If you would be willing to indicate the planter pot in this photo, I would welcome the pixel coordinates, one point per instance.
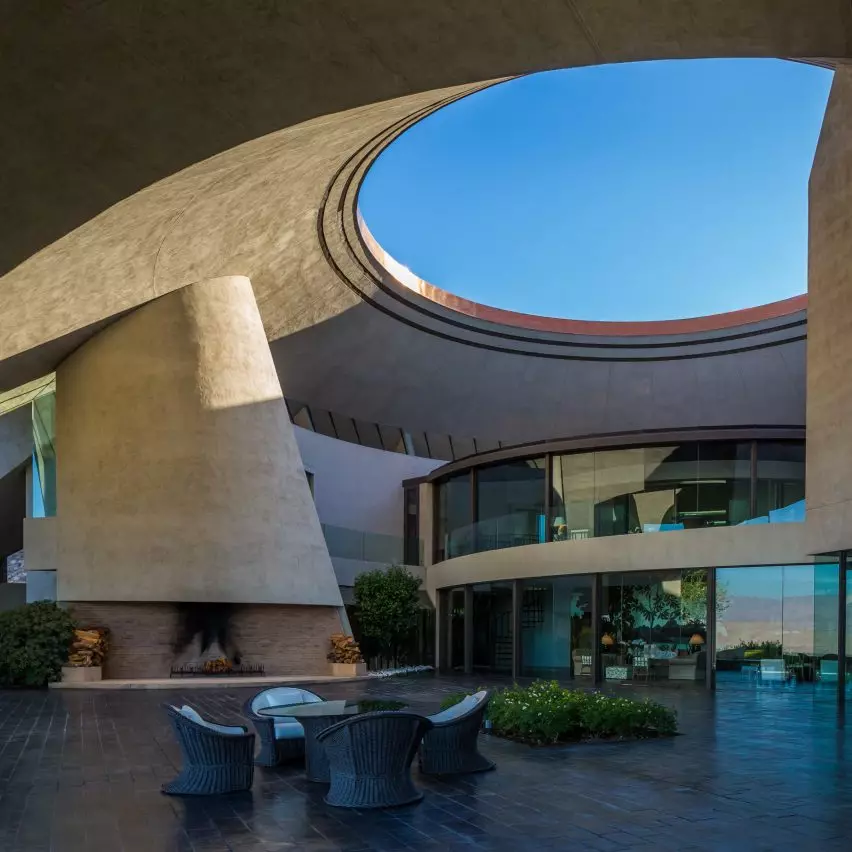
(81, 674)
(348, 669)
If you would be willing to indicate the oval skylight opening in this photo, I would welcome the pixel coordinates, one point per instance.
(633, 192)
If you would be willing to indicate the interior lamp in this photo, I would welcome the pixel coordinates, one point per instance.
(607, 641)
(696, 639)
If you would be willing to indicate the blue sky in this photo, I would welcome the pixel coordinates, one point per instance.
(651, 190)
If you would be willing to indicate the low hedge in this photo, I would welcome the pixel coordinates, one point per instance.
(34, 644)
(547, 713)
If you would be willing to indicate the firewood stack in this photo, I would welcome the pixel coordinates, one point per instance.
(344, 649)
(89, 647)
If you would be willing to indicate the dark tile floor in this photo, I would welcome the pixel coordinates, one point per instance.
(755, 769)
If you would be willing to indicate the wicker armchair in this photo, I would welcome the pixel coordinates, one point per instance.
(450, 747)
(216, 758)
(281, 738)
(370, 758)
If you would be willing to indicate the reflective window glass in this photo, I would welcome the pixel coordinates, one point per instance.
(646, 490)
(411, 527)
(780, 486)
(454, 523)
(492, 627)
(556, 627)
(44, 454)
(510, 504)
(572, 502)
(777, 625)
(722, 493)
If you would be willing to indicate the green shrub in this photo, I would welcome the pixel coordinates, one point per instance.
(545, 712)
(34, 644)
(387, 605)
(609, 716)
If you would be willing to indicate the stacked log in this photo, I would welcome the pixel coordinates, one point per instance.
(221, 665)
(344, 649)
(89, 647)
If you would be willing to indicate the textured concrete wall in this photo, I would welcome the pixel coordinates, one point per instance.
(106, 98)
(758, 544)
(286, 640)
(16, 438)
(829, 411)
(40, 542)
(180, 479)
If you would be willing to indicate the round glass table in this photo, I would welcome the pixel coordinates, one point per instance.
(314, 718)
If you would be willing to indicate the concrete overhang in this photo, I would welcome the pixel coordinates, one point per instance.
(230, 140)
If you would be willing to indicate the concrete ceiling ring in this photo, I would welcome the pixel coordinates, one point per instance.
(341, 238)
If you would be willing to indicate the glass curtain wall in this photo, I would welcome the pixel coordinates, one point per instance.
(848, 610)
(454, 518)
(777, 624)
(654, 625)
(510, 504)
(780, 485)
(412, 551)
(455, 656)
(492, 627)
(774, 626)
(692, 485)
(556, 627)
(651, 489)
(572, 511)
(44, 456)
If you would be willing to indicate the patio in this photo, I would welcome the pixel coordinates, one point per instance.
(762, 769)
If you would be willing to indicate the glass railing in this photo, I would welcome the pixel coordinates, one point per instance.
(346, 543)
(513, 530)
(524, 528)
(792, 514)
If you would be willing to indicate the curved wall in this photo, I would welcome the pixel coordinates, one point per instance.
(829, 350)
(767, 544)
(360, 502)
(358, 488)
(648, 483)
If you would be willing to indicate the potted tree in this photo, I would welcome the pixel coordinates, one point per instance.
(387, 607)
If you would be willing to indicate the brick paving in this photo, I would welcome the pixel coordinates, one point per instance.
(754, 769)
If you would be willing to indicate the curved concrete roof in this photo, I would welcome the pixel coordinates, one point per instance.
(105, 99)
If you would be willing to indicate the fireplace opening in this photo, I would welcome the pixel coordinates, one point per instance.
(204, 644)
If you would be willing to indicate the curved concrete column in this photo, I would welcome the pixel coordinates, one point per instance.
(179, 478)
(829, 398)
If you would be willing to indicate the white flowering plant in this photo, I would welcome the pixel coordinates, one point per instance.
(547, 713)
